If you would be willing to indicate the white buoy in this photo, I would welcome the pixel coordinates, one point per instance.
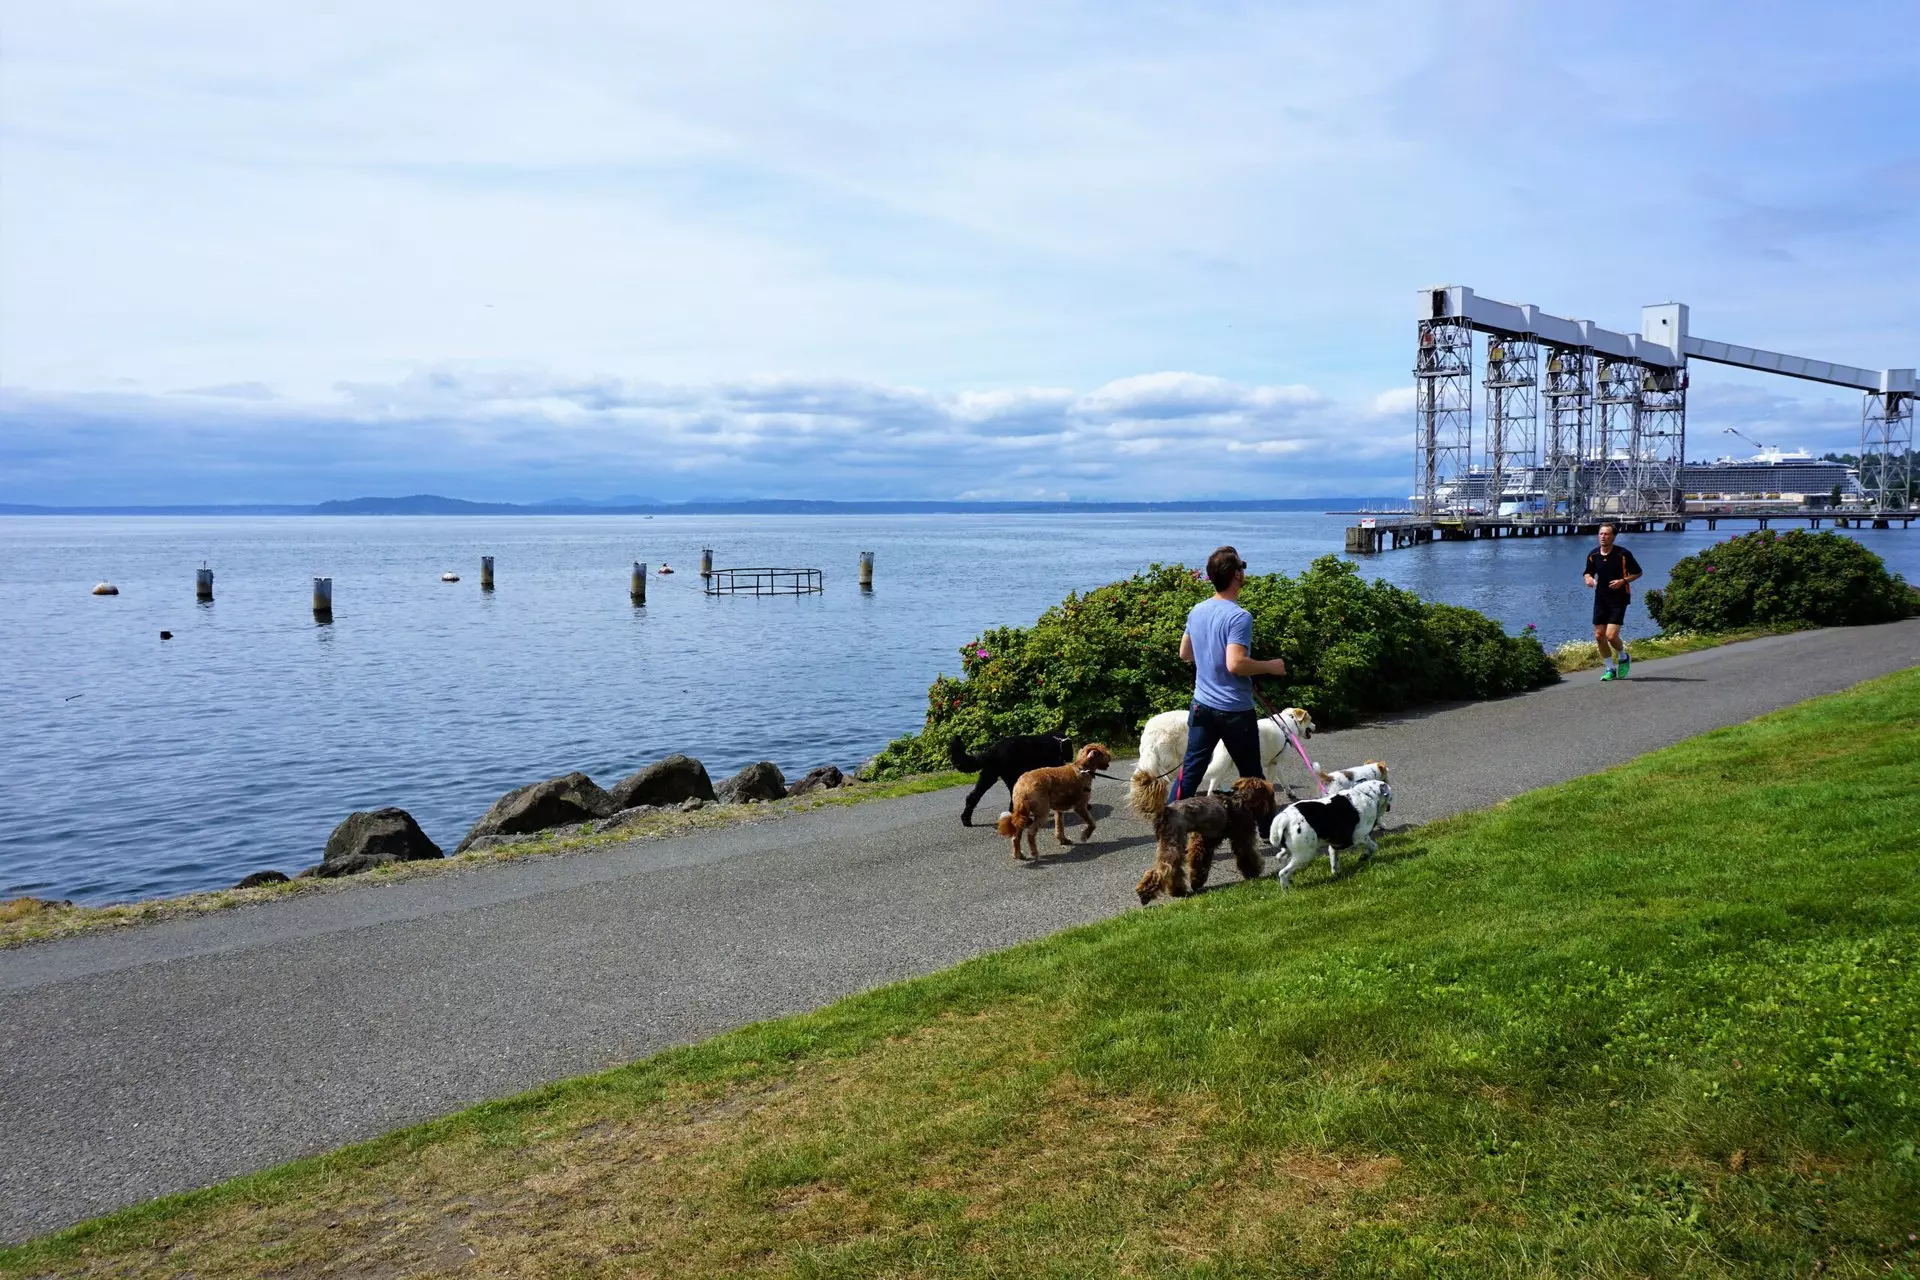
(105, 589)
(449, 577)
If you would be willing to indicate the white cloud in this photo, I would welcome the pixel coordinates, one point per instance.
(491, 433)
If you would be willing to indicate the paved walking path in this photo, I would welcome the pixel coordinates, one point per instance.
(171, 1056)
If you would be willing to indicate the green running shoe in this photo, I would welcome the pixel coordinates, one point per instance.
(1608, 674)
(1626, 664)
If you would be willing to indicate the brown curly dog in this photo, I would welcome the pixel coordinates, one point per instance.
(1057, 790)
(1196, 826)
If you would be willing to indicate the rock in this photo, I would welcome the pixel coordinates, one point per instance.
(755, 782)
(485, 843)
(691, 803)
(105, 589)
(663, 782)
(166, 635)
(380, 835)
(351, 865)
(636, 813)
(866, 769)
(259, 878)
(541, 805)
(824, 778)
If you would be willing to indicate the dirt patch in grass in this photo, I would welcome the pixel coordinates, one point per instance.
(966, 1139)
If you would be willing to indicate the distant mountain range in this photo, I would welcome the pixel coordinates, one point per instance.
(428, 504)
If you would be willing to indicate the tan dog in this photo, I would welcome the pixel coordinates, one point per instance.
(1057, 790)
(1188, 831)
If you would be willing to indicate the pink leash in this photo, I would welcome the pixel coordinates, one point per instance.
(1299, 750)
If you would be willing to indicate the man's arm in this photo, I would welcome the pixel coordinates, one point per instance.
(1588, 575)
(1241, 665)
(1629, 569)
(1186, 648)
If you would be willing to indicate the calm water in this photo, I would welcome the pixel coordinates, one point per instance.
(131, 767)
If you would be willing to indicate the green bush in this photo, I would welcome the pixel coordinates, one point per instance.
(1097, 666)
(1767, 578)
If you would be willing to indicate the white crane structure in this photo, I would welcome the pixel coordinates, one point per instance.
(1615, 409)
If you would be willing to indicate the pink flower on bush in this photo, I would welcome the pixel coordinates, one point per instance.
(980, 653)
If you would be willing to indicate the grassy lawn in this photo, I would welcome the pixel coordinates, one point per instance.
(25, 920)
(1663, 1021)
(1584, 655)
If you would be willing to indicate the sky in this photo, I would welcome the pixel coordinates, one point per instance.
(854, 250)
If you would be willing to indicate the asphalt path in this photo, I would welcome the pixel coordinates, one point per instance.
(175, 1055)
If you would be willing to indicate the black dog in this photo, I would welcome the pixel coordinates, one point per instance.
(1005, 760)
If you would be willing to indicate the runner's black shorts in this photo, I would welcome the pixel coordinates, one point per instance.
(1609, 609)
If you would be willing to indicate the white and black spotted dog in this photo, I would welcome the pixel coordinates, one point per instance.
(1332, 823)
(1344, 779)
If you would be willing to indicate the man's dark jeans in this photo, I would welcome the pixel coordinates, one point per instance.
(1206, 728)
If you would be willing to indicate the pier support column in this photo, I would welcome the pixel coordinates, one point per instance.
(486, 573)
(637, 584)
(203, 584)
(323, 599)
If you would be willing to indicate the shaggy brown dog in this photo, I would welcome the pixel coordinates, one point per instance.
(1056, 790)
(1188, 831)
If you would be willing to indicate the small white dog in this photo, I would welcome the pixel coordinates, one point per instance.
(1163, 744)
(1344, 779)
(1332, 823)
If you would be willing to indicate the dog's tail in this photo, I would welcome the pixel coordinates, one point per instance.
(1006, 825)
(964, 761)
(1147, 795)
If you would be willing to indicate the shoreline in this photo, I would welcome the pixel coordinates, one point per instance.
(26, 921)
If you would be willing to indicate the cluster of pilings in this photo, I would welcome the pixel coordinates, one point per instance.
(811, 581)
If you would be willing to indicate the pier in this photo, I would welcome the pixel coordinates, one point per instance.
(1375, 535)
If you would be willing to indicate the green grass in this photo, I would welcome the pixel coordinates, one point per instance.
(1663, 1021)
(28, 920)
(1584, 655)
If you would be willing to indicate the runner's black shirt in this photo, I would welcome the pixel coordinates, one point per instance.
(1606, 567)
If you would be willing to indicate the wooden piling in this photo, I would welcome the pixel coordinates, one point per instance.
(203, 583)
(323, 597)
(486, 573)
(637, 586)
(866, 570)
(706, 562)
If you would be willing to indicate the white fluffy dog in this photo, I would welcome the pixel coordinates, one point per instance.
(1332, 823)
(1344, 779)
(1163, 744)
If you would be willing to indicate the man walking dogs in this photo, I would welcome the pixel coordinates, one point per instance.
(1611, 572)
(1218, 636)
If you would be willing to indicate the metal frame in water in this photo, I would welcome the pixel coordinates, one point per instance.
(765, 582)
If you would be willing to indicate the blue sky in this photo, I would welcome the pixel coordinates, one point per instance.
(871, 250)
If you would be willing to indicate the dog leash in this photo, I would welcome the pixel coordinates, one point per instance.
(1299, 750)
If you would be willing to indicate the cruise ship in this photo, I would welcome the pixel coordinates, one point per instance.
(1772, 476)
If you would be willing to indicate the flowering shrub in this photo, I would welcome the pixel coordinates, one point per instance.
(1097, 665)
(1769, 578)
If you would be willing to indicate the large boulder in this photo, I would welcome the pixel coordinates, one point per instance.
(663, 782)
(557, 802)
(370, 839)
(761, 781)
(824, 778)
(388, 834)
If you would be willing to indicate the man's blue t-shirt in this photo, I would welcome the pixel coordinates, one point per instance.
(1214, 624)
